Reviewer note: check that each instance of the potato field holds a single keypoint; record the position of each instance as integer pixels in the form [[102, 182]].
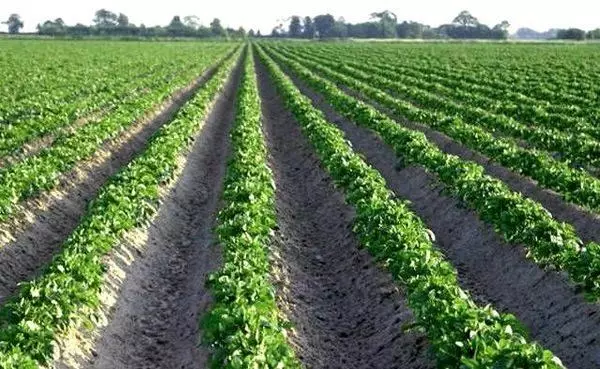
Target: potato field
[[196, 205]]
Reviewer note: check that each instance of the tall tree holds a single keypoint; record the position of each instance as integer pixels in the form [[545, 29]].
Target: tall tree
[[123, 20], [251, 33], [191, 21], [216, 28], [594, 34], [176, 23], [324, 24], [105, 18], [388, 22], [295, 27], [309, 28], [500, 31], [465, 19], [14, 23], [278, 31]]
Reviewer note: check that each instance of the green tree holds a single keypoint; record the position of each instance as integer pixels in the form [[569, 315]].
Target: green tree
[[324, 25], [594, 34], [191, 21], [465, 19], [53, 28], [104, 18], [309, 28], [177, 28], [340, 29], [216, 28], [278, 31], [295, 30], [388, 22], [14, 23], [571, 34], [500, 31], [251, 33], [122, 20]]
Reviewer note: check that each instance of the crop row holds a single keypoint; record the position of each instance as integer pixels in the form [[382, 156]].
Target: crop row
[[518, 219], [486, 85], [531, 88], [575, 185], [40, 172], [68, 289], [115, 90], [460, 332], [38, 79], [244, 327], [575, 131]]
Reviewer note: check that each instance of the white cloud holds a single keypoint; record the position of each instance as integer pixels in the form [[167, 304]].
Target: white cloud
[[264, 14]]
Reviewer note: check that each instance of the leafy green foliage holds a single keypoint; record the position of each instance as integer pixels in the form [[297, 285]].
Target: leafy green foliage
[[461, 333], [519, 220], [41, 172], [570, 145], [576, 185], [244, 326], [69, 287]]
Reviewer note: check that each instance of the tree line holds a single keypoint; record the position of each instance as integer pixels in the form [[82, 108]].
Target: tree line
[[108, 23], [385, 24]]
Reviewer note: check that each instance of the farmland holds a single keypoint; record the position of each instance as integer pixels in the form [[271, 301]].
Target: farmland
[[299, 204]]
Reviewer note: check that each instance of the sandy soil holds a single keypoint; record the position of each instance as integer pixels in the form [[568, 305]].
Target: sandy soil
[[154, 322], [346, 311], [586, 223], [495, 272], [30, 238]]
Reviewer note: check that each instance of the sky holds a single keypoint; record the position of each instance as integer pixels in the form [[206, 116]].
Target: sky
[[265, 14]]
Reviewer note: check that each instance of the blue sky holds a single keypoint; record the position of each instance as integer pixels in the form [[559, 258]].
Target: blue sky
[[264, 14]]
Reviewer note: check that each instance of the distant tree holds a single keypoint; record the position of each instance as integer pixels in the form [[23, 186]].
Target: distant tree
[[122, 20], [278, 31], [105, 18], [387, 21], [309, 28], [191, 21], [177, 28], [594, 34], [216, 28], [500, 31], [258, 34], [79, 30], [14, 23], [241, 32], [364, 30], [324, 24], [251, 33], [52, 28], [295, 29], [571, 34], [176, 23], [465, 19], [339, 29], [410, 30]]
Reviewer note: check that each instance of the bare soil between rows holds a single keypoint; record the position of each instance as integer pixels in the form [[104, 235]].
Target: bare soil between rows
[[154, 322], [585, 222], [346, 311], [492, 270], [34, 234]]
